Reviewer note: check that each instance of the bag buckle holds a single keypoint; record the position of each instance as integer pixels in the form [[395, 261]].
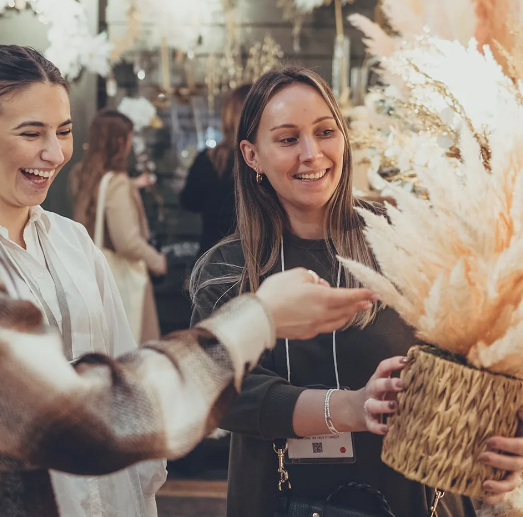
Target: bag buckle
[[284, 475], [437, 498]]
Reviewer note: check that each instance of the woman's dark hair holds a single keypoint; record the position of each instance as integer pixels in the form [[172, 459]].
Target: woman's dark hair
[[105, 152], [223, 153], [21, 67]]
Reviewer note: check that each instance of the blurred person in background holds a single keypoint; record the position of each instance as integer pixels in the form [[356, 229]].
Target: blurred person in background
[[125, 228], [209, 189]]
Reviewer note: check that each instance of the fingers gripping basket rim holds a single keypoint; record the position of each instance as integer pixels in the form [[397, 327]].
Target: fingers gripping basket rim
[[444, 418]]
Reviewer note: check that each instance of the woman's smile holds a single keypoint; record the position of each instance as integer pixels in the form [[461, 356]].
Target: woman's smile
[[314, 176], [40, 178]]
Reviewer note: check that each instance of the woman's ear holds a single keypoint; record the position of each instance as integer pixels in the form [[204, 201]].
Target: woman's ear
[[249, 154]]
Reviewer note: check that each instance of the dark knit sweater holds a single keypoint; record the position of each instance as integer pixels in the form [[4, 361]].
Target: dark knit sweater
[[265, 407]]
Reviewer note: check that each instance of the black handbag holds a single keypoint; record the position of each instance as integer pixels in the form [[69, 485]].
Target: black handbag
[[350, 500]]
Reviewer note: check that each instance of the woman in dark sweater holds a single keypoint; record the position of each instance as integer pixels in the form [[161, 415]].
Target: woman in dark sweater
[[209, 189], [295, 208]]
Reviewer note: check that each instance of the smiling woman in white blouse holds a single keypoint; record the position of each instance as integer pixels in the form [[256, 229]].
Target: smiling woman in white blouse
[[56, 265]]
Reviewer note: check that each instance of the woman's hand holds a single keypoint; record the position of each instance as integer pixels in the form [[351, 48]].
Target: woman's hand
[[144, 180], [162, 268], [511, 460], [303, 305], [378, 397]]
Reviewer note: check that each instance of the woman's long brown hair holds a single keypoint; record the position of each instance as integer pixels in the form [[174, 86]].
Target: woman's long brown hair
[[262, 218], [106, 152]]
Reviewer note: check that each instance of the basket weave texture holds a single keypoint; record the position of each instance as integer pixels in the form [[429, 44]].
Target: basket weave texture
[[444, 417]]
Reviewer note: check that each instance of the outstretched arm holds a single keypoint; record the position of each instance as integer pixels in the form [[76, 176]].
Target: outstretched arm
[[102, 414]]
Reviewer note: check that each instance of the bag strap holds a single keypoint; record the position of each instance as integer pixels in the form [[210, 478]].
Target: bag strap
[[100, 210], [380, 498]]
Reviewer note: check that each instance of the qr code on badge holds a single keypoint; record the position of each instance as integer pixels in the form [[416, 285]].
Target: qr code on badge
[[317, 447]]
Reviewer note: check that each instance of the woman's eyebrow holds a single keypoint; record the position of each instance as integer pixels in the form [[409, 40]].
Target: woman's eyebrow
[[35, 123], [293, 125]]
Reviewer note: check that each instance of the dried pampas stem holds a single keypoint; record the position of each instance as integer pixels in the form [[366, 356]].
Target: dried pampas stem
[[457, 107]]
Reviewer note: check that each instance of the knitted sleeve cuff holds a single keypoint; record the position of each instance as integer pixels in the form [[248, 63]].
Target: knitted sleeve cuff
[[278, 410]]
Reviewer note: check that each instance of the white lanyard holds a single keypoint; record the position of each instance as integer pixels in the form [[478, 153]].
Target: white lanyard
[[334, 352]]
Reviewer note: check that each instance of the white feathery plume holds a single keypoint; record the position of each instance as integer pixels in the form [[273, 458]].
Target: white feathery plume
[[179, 22], [407, 232], [503, 355], [448, 19], [380, 236], [405, 16], [451, 19], [419, 215], [415, 143], [451, 265], [378, 42], [445, 61], [516, 211], [388, 292]]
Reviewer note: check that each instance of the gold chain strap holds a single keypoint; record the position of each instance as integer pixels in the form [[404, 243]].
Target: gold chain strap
[[284, 475], [437, 498]]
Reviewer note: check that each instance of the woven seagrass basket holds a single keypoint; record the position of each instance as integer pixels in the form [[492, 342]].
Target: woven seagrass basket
[[444, 418]]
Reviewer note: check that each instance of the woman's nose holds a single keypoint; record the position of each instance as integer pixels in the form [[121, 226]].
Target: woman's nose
[[310, 150], [53, 152]]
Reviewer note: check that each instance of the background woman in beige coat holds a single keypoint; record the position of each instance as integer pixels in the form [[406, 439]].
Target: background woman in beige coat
[[126, 229]]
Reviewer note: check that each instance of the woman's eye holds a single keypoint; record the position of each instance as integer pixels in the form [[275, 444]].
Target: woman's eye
[[289, 140], [327, 132], [66, 132], [30, 135]]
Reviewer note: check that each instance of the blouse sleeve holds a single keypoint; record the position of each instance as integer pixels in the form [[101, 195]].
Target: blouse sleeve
[[123, 225], [102, 414]]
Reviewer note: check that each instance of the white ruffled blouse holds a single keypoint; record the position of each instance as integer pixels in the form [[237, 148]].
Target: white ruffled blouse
[[98, 324]]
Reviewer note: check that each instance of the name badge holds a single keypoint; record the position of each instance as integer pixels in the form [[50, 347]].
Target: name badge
[[327, 448]]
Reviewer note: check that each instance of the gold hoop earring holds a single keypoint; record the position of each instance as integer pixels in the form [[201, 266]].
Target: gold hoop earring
[[259, 177]]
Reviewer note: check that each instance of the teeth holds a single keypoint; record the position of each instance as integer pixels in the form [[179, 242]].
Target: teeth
[[41, 173], [315, 176]]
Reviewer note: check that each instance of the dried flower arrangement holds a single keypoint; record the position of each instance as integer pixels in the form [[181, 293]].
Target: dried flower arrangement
[[451, 267], [392, 115]]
